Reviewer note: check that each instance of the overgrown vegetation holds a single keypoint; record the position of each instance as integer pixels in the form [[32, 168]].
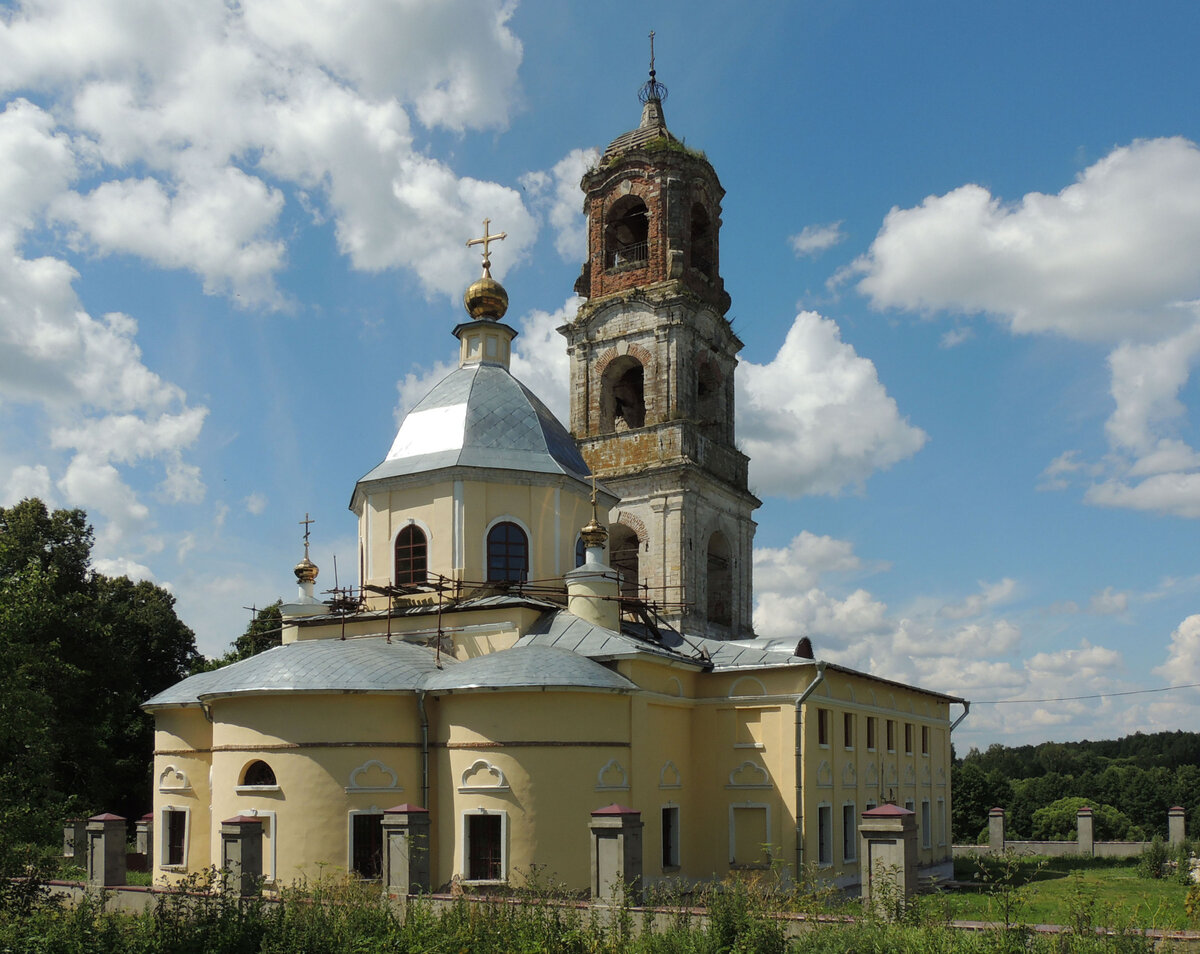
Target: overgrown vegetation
[[748, 914]]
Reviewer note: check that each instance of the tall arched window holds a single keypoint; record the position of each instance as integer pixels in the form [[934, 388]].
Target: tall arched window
[[412, 555], [720, 580], [507, 553], [701, 241], [580, 552], [625, 238], [623, 549]]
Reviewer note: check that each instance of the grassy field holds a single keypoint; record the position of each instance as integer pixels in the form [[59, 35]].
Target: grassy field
[[1068, 891]]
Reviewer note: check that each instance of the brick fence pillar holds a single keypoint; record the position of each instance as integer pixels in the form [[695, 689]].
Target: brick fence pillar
[[106, 850], [996, 830]]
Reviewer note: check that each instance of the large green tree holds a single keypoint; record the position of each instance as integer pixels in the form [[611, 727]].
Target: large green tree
[[79, 653]]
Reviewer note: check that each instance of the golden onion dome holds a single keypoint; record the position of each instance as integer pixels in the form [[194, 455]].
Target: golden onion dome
[[486, 298], [306, 571], [593, 534]]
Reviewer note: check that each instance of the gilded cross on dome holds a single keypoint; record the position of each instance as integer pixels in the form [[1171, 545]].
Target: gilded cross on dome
[[485, 242]]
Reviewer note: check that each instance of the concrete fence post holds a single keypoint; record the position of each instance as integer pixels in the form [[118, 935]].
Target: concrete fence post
[[616, 852], [406, 850], [75, 841], [888, 858], [996, 830], [242, 854], [1086, 832], [106, 850], [145, 835], [1176, 825]]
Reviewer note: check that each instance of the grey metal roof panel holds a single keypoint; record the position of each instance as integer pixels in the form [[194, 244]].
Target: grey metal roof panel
[[567, 631], [481, 416], [529, 666], [318, 665]]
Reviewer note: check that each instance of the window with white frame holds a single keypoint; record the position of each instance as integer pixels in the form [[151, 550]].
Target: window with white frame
[[173, 840], [485, 849], [849, 833], [670, 837], [926, 823], [824, 835]]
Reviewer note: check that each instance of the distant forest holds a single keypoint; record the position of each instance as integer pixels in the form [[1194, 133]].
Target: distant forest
[[1131, 782]]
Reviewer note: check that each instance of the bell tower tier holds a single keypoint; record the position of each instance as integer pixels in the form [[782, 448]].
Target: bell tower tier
[[652, 363]]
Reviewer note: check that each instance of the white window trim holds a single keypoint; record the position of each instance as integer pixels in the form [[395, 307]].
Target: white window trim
[[853, 842], [829, 863], [163, 835], [509, 518], [675, 854], [255, 789], [465, 859], [733, 831], [350, 834], [272, 839]]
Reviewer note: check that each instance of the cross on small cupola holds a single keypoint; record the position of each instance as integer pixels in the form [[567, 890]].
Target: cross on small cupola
[[486, 298]]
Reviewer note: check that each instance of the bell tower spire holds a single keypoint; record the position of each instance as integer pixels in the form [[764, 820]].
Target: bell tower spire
[[652, 365]]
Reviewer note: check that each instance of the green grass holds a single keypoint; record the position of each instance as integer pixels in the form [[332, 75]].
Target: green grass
[[1100, 892]]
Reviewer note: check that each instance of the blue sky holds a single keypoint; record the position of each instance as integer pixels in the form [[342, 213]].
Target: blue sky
[[962, 241]]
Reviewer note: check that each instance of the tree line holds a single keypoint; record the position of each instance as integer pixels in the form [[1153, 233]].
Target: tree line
[[1130, 782]]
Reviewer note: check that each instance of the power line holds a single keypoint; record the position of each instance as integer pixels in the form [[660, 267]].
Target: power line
[[1097, 695]]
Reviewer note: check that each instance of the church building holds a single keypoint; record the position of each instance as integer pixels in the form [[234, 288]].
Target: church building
[[551, 621]]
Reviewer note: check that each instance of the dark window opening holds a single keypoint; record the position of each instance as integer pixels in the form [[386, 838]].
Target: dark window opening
[[627, 234], [623, 549], [580, 552], [259, 773], [710, 401], [507, 554], [412, 555], [367, 849], [483, 848], [720, 580], [702, 241], [176, 833], [822, 727], [670, 837]]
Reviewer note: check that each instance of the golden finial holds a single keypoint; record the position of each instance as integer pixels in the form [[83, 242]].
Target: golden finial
[[486, 298], [306, 571], [594, 535]]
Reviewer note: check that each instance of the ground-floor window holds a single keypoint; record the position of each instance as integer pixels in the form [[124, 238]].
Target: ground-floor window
[[849, 833], [825, 835], [484, 847], [926, 823], [670, 836], [366, 844], [941, 821], [174, 837]]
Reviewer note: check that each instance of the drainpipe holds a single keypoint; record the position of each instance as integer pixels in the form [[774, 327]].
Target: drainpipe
[[966, 709], [424, 748], [817, 680]]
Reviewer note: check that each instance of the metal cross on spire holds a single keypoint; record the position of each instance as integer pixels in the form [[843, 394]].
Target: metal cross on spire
[[485, 241], [651, 54], [307, 521], [652, 90]]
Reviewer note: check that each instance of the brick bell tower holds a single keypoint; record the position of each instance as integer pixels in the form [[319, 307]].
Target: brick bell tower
[[652, 364]]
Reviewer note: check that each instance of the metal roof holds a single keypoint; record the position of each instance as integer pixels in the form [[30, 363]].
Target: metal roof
[[316, 665], [529, 666], [481, 416]]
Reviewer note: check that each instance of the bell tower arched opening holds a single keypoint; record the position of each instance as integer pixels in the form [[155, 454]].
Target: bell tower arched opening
[[622, 395], [624, 548], [720, 580], [626, 237]]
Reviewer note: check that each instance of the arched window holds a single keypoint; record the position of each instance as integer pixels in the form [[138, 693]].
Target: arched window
[[720, 580], [259, 773], [625, 238], [623, 547], [710, 404], [580, 552], [622, 395], [701, 241], [507, 553], [412, 555]]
